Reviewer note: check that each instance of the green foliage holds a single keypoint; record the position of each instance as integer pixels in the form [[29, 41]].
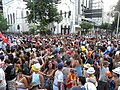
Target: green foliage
[[86, 25], [105, 26], [43, 12], [3, 23], [32, 29]]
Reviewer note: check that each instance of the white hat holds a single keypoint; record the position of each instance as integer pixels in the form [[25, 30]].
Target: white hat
[[34, 49], [109, 42], [91, 70], [36, 67], [87, 65], [116, 70]]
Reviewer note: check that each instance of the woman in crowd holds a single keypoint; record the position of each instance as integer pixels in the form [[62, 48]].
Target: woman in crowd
[[71, 80], [21, 82], [49, 74]]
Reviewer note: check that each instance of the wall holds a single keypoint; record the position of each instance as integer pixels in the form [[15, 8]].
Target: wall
[[15, 12], [68, 22]]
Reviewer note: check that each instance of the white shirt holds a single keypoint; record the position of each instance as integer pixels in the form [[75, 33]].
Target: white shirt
[[58, 78], [90, 86], [2, 77], [20, 84]]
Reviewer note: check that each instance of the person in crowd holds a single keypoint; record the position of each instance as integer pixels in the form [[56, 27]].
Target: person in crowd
[[49, 73], [37, 80], [21, 81], [10, 75], [102, 84], [2, 80], [111, 83], [58, 78], [71, 80], [80, 84], [116, 78], [90, 84], [78, 67], [86, 66], [91, 75]]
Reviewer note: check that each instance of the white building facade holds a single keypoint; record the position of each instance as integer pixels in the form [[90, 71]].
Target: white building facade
[[67, 9], [15, 11], [72, 12]]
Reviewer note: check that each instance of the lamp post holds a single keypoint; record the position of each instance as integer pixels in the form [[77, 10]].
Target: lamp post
[[118, 19], [117, 22]]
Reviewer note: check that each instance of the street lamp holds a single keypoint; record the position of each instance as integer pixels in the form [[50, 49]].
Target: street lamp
[[118, 19], [117, 22]]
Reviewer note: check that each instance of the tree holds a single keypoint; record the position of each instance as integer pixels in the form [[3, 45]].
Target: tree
[[3, 23], [42, 13], [105, 26], [86, 25]]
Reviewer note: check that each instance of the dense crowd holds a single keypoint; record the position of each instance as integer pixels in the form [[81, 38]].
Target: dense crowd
[[59, 62]]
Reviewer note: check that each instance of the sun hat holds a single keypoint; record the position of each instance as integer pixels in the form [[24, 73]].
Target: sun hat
[[87, 65], [116, 70], [36, 67], [91, 70], [83, 48]]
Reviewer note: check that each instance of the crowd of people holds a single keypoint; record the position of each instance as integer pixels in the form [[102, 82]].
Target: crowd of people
[[59, 62]]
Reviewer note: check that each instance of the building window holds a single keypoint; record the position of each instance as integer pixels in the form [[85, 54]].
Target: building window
[[61, 12], [27, 13], [22, 16], [8, 20], [13, 17], [65, 14]]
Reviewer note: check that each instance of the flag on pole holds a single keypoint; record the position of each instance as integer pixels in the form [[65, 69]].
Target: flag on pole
[[3, 38]]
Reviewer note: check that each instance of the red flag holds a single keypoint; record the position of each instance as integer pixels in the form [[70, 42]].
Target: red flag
[[3, 38]]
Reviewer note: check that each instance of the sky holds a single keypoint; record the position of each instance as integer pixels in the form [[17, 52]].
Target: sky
[[108, 3]]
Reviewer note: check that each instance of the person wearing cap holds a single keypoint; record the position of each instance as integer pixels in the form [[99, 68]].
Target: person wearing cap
[[90, 84], [90, 76], [86, 66], [58, 78], [36, 78], [116, 78]]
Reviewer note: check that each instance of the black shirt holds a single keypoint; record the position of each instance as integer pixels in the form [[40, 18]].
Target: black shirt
[[10, 56], [10, 73]]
